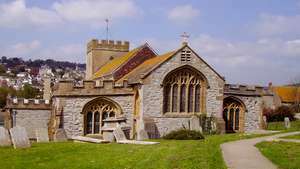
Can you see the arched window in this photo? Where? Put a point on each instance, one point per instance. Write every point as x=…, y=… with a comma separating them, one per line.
x=233, y=111
x=182, y=91
x=89, y=122
x=95, y=112
x=96, y=122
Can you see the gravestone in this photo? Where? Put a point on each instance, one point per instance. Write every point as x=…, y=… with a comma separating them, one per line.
x=60, y=135
x=265, y=123
x=19, y=137
x=4, y=137
x=195, y=124
x=142, y=135
x=42, y=135
x=287, y=123
x=119, y=134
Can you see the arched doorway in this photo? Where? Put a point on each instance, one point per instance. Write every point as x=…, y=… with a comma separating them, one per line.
x=233, y=114
x=98, y=110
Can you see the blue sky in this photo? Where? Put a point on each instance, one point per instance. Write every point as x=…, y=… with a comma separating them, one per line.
x=249, y=41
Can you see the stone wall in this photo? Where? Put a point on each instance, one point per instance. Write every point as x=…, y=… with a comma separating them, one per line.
x=152, y=93
x=32, y=120
x=73, y=106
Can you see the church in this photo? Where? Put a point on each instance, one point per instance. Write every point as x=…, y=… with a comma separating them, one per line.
x=143, y=92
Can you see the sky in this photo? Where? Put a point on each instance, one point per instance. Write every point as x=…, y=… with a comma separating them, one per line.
x=248, y=42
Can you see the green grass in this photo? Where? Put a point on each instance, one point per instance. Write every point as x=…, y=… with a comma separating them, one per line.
x=295, y=126
x=293, y=137
x=285, y=155
x=189, y=154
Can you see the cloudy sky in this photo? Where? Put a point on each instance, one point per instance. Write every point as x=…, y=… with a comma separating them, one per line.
x=249, y=41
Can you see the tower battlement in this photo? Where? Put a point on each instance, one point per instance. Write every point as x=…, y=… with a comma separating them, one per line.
x=21, y=103
x=110, y=45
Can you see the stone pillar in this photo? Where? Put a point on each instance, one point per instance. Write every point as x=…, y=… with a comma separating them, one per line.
x=221, y=125
x=47, y=89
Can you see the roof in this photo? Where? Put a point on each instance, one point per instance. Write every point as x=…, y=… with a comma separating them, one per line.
x=115, y=63
x=288, y=94
x=145, y=67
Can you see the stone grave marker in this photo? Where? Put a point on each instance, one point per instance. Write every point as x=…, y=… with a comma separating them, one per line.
x=119, y=134
x=195, y=124
x=287, y=123
x=60, y=135
x=265, y=123
x=142, y=135
x=4, y=137
x=19, y=137
x=42, y=135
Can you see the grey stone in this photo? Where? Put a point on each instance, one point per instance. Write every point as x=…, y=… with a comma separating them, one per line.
x=119, y=134
x=19, y=137
x=287, y=123
x=88, y=139
x=4, y=137
x=108, y=136
x=142, y=135
x=42, y=135
x=60, y=135
x=195, y=124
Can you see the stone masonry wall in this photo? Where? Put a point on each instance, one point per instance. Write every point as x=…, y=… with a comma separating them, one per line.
x=73, y=118
x=32, y=120
x=253, y=114
x=152, y=95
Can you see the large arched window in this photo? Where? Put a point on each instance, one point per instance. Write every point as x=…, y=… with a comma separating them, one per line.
x=96, y=111
x=184, y=91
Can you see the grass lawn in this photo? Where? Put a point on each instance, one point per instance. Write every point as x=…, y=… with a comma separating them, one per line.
x=295, y=125
x=204, y=154
x=293, y=137
x=284, y=154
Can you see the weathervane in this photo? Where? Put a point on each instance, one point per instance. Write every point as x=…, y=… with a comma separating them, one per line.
x=106, y=20
x=185, y=38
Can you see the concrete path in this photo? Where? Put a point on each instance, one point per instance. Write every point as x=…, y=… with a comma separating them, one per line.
x=243, y=154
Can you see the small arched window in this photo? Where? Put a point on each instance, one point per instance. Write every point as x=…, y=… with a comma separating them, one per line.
x=182, y=91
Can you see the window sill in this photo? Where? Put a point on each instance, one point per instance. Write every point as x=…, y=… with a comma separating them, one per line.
x=181, y=115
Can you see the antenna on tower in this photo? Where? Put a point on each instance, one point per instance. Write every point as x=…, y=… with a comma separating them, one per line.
x=107, y=21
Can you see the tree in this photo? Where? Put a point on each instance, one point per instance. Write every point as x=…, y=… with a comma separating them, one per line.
x=28, y=92
x=2, y=69
x=4, y=92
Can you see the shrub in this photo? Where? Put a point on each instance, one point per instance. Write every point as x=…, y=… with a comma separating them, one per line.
x=278, y=114
x=184, y=134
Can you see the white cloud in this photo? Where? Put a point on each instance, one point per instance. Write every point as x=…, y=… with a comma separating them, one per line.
x=17, y=14
x=93, y=12
x=24, y=48
x=274, y=25
x=184, y=13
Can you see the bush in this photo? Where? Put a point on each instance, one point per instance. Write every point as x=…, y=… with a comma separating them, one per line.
x=184, y=134
x=278, y=114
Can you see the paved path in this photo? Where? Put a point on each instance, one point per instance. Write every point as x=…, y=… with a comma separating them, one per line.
x=243, y=154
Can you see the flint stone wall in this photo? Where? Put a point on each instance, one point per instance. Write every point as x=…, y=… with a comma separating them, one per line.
x=32, y=120
x=73, y=118
x=152, y=93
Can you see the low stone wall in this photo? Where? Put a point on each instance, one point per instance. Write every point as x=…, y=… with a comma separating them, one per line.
x=32, y=120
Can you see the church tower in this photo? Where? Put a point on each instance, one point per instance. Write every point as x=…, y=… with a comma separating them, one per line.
x=101, y=52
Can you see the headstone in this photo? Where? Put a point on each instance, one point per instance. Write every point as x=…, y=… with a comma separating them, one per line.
x=19, y=137
x=4, y=137
x=88, y=139
x=60, y=135
x=108, y=136
x=265, y=122
x=195, y=124
x=42, y=135
x=287, y=123
x=142, y=135
x=119, y=134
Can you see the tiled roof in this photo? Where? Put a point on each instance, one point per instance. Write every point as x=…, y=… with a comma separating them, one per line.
x=135, y=75
x=288, y=94
x=115, y=63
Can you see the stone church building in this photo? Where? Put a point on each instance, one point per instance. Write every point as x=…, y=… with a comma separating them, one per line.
x=140, y=90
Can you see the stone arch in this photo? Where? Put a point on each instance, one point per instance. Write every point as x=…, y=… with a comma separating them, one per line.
x=97, y=110
x=234, y=111
x=184, y=91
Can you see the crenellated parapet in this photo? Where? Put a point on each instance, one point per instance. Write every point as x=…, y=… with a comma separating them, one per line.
x=111, y=45
x=30, y=104
x=92, y=88
x=245, y=90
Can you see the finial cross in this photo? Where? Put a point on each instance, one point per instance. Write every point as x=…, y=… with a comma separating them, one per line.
x=185, y=38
